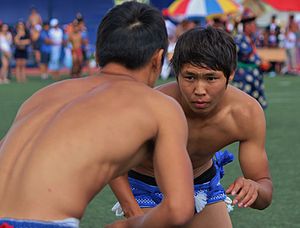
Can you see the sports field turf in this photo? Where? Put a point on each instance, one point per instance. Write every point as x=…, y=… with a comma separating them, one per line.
x=283, y=143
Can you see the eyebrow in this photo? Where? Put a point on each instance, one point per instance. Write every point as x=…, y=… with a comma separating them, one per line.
x=210, y=73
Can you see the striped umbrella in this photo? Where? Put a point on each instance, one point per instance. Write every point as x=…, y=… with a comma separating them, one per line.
x=202, y=8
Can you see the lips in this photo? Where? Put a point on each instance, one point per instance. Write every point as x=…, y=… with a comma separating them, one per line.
x=200, y=104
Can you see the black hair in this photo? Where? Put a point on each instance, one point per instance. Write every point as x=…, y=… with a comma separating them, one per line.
x=130, y=34
x=210, y=48
x=46, y=23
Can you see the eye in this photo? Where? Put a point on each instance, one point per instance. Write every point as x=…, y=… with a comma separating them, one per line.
x=211, y=78
x=189, y=77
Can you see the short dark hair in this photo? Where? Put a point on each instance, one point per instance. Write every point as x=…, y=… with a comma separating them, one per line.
x=130, y=34
x=45, y=23
x=210, y=48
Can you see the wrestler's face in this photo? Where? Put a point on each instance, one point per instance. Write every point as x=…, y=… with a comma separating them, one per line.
x=202, y=89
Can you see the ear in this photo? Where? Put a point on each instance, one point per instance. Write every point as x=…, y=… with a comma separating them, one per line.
x=96, y=58
x=231, y=76
x=157, y=60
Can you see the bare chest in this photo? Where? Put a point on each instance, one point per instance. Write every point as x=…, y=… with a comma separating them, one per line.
x=206, y=139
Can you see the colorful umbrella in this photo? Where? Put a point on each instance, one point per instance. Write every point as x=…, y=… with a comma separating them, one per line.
x=287, y=5
x=202, y=8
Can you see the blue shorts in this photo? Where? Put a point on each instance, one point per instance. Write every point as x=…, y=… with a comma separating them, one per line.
x=20, y=223
x=207, y=187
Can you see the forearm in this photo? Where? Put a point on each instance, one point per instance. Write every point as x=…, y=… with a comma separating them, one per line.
x=159, y=217
x=121, y=188
x=265, y=192
x=25, y=42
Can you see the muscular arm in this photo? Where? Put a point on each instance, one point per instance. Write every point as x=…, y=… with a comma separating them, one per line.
x=121, y=188
x=172, y=165
x=255, y=188
x=173, y=172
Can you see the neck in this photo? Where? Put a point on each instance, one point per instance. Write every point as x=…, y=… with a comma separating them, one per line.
x=114, y=69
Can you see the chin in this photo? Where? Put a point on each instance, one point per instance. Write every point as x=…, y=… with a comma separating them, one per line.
x=201, y=110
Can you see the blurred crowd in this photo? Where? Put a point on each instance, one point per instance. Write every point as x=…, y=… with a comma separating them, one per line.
x=274, y=35
x=251, y=68
x=49, y=44
x=53, y=46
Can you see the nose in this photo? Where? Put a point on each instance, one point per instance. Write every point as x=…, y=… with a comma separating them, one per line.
x=200, y=88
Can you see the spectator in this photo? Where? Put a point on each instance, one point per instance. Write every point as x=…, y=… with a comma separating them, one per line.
x=22, y=41
x=76, y=40
x=219, y=22
x=34, y=18
x=56, y=37
x=45, y=50
x=290, y=47
x=271, y=39
x=84, y=35
x=272, y=32
x=184, y=26
x=36, y=42
x=171, y=30
x=6, y=52
x=248, y=76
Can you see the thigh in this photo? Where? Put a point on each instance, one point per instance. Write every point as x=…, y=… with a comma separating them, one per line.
x=212, y=216
x=22, y=62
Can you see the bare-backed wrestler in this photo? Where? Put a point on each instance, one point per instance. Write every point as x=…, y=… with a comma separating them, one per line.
x=59, y=154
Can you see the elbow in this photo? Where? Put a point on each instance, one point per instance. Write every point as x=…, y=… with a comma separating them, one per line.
x=181, y=212
x=262, y=205
x=265, y=201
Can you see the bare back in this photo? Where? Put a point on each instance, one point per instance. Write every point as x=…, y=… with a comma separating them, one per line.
x=68, y=140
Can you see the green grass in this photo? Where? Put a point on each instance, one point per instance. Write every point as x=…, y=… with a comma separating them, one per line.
x=283, y=141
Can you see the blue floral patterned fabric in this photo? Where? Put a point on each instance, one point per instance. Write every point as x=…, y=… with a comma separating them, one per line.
x=248, y=76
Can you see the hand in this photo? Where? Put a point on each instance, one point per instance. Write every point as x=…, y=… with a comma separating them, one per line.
x=265, y=65
x=245, y=190
x=21, y=33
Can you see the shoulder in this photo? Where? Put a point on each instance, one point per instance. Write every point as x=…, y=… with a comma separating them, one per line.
x=242, y=103
x=170, y=89
x=164, y=97
x=245, y=110
x=48, y=94
x=169, y=115
x=160, y=102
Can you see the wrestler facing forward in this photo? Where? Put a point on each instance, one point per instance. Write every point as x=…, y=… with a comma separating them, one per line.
x=59, y=154
x=218, y=115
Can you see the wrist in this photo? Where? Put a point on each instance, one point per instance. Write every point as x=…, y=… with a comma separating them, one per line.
x=131, y=210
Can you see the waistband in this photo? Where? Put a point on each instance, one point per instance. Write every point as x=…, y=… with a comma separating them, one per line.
x=22, y=223
x=203, y=178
